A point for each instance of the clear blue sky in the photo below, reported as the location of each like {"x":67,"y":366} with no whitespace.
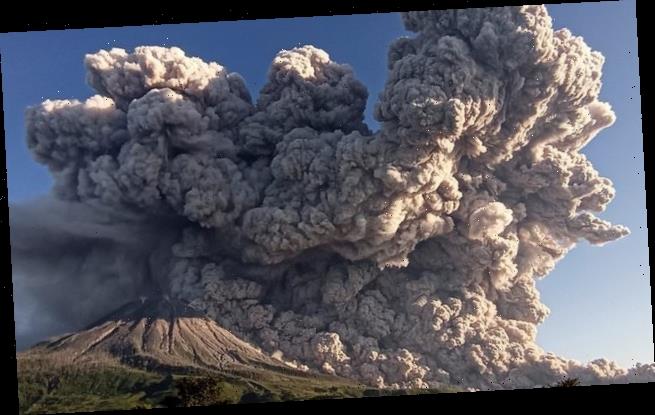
{"x":599,"y":297}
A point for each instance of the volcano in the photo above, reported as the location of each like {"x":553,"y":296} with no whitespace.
{"x":155,"y":351}
{"x":158,"y":334}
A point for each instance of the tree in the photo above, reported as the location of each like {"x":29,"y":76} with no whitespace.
{"x":567,"y":383}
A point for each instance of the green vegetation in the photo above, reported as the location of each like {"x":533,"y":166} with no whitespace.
{"x":47,"y":388}
{"x":216,"y":390}
{"x":68,"y":388}
{"x":262,"y":387}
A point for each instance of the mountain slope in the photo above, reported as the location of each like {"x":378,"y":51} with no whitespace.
{"x":157,"y":334}
{"x":159,"y":352}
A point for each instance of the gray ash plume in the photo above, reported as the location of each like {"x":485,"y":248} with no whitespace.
{"x":404,"y":257}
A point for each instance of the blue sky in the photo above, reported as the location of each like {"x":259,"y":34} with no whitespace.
{"x":599,"y":297}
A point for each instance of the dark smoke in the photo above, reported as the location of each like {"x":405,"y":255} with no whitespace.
{"x":74,"y":262}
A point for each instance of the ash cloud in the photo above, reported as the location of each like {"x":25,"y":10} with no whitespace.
{"x":72,"y":263}
{"x":403,"y":257}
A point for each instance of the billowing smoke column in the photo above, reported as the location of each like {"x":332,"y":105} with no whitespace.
{"x":404,"y":257}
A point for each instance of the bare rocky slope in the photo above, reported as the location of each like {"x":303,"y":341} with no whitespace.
{"x":157,"y":333}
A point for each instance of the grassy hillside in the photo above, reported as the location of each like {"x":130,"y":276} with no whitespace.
{"x":47,"y":388}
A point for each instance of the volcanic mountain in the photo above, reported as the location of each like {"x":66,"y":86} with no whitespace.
{"x":158,"y":334}
{"x":161,"y":352}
